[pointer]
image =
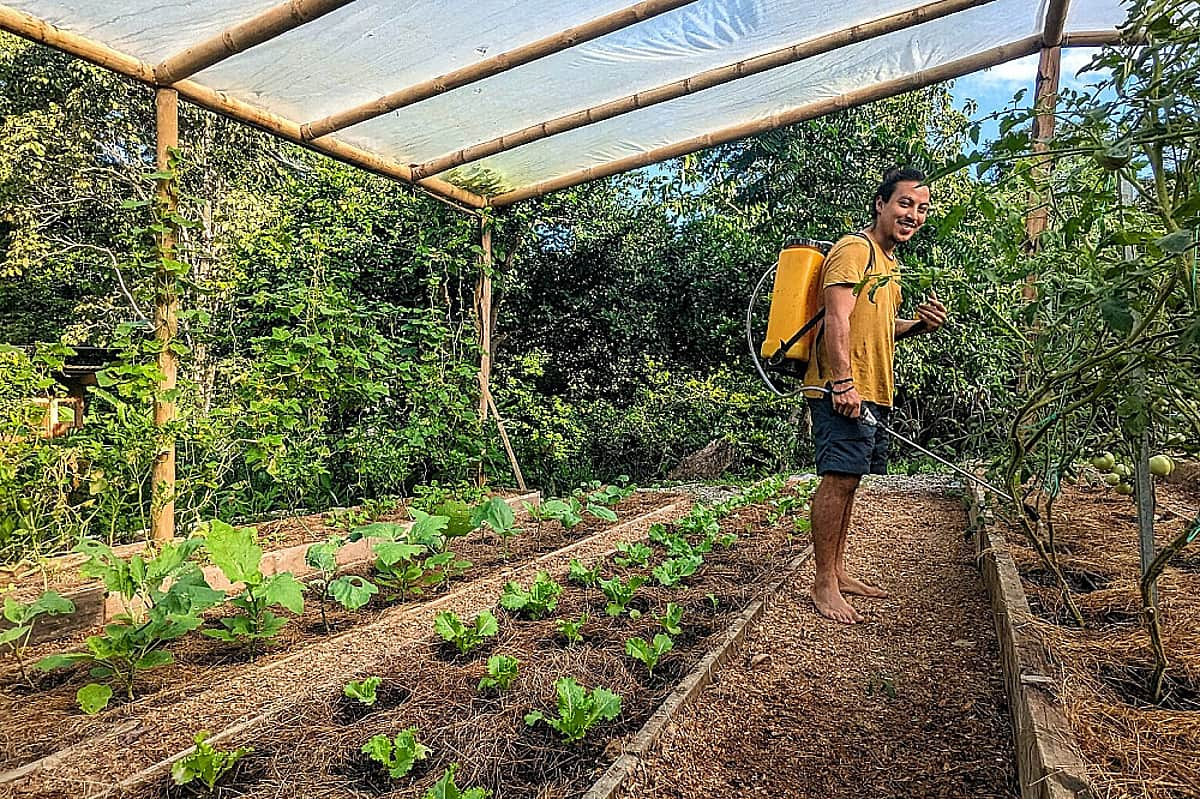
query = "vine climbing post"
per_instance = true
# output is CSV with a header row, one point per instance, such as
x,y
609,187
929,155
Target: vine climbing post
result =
x,y
485,314
166,307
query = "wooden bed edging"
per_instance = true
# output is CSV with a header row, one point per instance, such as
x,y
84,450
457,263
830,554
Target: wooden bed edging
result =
x,y
1049,765
689,688
93,608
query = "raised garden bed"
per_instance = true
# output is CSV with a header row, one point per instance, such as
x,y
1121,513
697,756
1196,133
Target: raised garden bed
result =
x,y
43,721
1085,725
303,731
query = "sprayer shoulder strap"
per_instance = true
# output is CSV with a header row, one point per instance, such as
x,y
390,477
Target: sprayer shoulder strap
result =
x,y
820,314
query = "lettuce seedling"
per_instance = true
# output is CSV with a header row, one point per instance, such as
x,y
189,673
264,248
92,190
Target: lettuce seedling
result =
x,y
649,653
659,534
163,598
363,690
572,629
206,765
670,572
350,591
540,599
620,593
581,575
465,638
578,710
445,788
670,620
396,755
236,552
633,553
23,616
501,671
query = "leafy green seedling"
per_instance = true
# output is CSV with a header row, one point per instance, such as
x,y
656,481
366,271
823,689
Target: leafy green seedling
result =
x,y
673,570
93,697
458,515
497,516
445,788
23,616
649,653
236,552
632,554
501,671
572,629
601,512
163,598
578,710
206,765
581,575
565,512
398,755
620,593
365,690
464,637
670,620
713,601
349,591
540,599
727,540
659,534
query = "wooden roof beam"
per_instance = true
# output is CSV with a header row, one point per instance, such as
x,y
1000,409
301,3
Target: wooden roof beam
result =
x,y
948,71
524,54
256,30
1056,23
42,32
699,82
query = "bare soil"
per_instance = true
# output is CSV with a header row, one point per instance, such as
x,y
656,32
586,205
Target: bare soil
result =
x,y
1132,747
908,704
43,719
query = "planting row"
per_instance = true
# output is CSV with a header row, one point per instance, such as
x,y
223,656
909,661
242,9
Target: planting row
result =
x,y
473,707
166,597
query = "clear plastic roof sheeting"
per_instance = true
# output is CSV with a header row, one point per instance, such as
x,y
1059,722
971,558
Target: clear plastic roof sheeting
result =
x,y
354,52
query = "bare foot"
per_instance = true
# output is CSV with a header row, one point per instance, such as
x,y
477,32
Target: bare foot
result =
x,y
852,585
832,605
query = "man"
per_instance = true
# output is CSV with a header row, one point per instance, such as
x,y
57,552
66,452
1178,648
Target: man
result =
x,y
861,282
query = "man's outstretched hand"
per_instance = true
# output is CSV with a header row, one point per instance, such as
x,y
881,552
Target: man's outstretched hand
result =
x,y
932,313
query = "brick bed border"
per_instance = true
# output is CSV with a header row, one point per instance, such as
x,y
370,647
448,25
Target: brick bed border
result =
x,y
1049,765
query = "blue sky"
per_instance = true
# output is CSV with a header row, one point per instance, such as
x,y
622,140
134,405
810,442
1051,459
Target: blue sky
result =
x,y
994,88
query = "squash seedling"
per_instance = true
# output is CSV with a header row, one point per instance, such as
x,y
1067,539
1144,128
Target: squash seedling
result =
x,y
207,765
496,515
236,552
23,616
398,755
350,591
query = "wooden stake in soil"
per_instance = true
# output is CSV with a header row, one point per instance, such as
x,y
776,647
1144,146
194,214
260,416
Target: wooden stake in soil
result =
x,y
166,307
512,456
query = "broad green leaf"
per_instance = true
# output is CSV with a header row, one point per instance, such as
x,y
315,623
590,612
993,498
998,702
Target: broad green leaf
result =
x,y
155,658
93,697
52,604
234,551
601,512
284,589
392,552
13,634
352,592
61,661
323,555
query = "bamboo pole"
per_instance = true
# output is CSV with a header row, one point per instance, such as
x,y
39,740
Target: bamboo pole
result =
x,y
166,308
256,30
1109,38
947,71
485,317
492,66
512,456
37,30
699,82
1055,24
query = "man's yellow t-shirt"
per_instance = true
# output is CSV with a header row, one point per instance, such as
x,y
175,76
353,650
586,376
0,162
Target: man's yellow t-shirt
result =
x,y
872,322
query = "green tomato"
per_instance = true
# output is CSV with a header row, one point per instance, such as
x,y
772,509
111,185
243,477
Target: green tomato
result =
x,y
1124,489
23,504
1104,461
1112,478
1161,466
1122,470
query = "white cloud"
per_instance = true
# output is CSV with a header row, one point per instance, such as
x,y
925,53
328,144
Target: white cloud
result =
x,y
1023,71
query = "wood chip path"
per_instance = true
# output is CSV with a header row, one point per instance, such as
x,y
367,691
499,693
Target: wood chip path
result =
x,y
908,704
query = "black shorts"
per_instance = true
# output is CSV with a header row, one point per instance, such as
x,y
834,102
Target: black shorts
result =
x,y
845,445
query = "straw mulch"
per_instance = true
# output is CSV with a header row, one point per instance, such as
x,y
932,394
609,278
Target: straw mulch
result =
x,y
1131,748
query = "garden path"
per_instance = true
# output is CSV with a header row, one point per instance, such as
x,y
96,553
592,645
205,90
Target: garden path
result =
x,y
908,704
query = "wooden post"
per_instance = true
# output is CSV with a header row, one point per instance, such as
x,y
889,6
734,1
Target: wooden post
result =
x,y
485,316
1045,101
166,306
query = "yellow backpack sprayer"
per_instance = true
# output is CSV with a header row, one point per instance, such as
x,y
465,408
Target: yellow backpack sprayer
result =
x,y
794,326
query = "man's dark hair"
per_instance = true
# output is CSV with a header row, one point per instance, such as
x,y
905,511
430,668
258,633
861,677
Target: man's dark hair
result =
x,y
897,174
